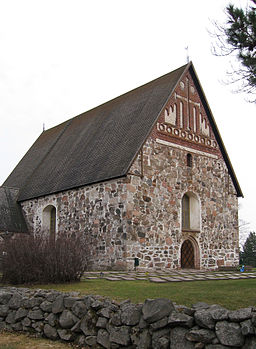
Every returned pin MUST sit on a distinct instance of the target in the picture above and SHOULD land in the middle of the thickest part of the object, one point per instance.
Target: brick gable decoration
(184, 121)
(147, 177)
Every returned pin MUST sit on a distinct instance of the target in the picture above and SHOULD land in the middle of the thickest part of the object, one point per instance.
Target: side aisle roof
(11, 217)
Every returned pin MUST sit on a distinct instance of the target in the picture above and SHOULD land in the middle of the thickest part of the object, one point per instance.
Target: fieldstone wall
(141, 217)
(96, 322)
(98, 211)
(156, 209)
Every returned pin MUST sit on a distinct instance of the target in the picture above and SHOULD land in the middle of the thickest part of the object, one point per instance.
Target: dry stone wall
(96, 322)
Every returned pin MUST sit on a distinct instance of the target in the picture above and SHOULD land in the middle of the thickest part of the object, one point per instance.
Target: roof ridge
(187, 65)
(164, 103)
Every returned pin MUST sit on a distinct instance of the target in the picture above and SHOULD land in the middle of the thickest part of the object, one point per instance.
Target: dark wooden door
(187, 255)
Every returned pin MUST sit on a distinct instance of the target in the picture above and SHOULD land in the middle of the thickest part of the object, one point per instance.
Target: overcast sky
(59, 58)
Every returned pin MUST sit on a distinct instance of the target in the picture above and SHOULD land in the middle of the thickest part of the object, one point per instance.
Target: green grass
(232, 294)
(11, 340)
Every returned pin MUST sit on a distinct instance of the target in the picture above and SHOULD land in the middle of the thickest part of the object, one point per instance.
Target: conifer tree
(238, 36)
(248, 255)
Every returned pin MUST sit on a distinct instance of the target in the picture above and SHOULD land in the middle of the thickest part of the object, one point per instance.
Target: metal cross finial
(186, 48)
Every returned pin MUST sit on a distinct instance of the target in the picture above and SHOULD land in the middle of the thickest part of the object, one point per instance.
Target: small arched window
(190, 212)
(49, 220)
(53, 221)
(185, 212)
(189, 160)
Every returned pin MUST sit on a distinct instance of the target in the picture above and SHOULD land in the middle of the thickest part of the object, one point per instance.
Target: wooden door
(187, 255)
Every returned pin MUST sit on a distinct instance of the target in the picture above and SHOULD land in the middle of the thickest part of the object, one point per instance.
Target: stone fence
(97, 322)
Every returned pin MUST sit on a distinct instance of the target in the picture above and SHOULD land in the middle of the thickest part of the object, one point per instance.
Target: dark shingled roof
(99, 144)
(11, 217)
(95, 146)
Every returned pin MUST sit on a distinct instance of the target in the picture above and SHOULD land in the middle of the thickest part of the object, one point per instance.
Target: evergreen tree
(238, 36)
(248, 255)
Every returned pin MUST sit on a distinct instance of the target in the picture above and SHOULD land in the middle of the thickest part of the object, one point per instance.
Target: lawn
(22, 341)
(232, 294)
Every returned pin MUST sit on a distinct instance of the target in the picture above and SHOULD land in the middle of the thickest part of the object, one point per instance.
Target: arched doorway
(187, 255)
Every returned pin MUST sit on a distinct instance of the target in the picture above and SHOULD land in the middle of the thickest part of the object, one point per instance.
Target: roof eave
(23, 199)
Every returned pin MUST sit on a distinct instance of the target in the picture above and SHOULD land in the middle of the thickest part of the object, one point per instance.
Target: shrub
(40, 259)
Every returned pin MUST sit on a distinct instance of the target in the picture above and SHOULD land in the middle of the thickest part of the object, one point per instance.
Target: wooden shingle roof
(99, 144)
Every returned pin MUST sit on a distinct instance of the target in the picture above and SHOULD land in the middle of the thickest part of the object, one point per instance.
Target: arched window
(189, 160)
(49, 220)
(53, 220)
(190, 212)
(185, 212)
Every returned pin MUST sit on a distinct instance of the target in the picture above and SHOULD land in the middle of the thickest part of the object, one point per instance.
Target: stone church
(145, 175)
